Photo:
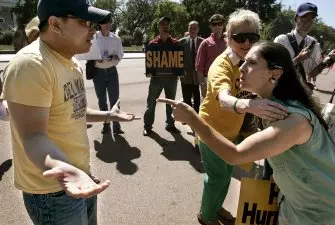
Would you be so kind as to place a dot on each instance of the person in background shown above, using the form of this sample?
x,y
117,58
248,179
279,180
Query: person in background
x,y
304,49
106,79
190,82
157,84
298,146
209,49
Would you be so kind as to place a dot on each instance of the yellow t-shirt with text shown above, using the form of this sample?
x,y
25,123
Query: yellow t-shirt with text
x,y
38,76
222,75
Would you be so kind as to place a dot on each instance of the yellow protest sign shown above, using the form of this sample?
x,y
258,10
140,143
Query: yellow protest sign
x,y
257,203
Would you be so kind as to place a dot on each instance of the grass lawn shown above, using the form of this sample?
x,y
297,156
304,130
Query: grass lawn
x,y
6,47
133,48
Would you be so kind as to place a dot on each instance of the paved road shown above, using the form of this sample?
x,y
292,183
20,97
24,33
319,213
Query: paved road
x,y
155,181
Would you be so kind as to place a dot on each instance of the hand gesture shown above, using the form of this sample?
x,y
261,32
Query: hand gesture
x,y
120,116
181,111
267,109
304,54
76,183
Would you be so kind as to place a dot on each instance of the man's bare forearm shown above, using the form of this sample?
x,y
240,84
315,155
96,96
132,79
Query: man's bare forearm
x,y
43,152
93,115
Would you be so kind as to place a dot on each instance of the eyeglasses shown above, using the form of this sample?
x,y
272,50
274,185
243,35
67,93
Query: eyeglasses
x,y
242,37
89,24
216,24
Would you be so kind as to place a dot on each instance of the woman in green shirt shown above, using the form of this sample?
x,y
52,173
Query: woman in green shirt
x,y
298,148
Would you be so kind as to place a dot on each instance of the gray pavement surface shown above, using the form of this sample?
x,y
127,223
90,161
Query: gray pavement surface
x,y
155,180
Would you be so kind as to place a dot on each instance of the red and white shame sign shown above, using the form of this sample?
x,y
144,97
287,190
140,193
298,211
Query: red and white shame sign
x,y
257,203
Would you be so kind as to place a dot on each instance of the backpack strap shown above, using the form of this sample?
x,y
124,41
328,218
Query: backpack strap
x,y
296,49
294,43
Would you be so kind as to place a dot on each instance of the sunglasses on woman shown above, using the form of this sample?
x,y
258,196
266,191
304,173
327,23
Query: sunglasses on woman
x,y
243,37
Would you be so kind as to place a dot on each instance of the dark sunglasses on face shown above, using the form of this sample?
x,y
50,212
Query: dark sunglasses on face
x,y
243,37
89,24
216,24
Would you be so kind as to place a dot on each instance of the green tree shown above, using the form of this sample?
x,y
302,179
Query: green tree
x,y
137,13
178,15
138,36
202,10
25,11
110,5
283,23
325,35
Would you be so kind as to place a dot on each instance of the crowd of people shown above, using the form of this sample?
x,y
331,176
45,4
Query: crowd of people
x,y
44,88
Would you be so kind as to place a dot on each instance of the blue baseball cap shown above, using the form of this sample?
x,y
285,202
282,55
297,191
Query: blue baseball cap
x,y
82,9
305,8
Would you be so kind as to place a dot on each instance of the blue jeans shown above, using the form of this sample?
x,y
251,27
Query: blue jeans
x,y
155,89
60,209
107,81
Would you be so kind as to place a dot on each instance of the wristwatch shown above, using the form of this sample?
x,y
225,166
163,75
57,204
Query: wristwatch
x,y
108,117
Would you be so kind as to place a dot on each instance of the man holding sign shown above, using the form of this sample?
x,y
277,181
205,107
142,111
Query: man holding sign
x,y
161,60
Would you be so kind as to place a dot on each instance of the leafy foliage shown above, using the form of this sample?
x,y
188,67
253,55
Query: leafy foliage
x,y
25,11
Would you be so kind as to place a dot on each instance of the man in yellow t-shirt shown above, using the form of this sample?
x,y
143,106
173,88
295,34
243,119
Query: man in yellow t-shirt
x,y
224,111
44,88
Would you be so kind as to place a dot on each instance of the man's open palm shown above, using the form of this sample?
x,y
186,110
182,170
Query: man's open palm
x,y
76,183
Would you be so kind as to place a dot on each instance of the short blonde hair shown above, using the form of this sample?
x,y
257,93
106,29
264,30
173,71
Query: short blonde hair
x,y
241,16
32,26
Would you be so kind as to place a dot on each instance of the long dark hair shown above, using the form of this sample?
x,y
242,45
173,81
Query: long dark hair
x,y
289,86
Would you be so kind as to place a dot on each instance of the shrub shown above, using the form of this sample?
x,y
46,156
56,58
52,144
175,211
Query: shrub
x,y
6,37
138,36
127,40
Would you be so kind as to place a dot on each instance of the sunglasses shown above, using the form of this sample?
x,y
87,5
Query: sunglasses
x,y
243,37
89,24
216,24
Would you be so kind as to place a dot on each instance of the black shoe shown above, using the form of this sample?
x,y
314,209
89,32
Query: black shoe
x,y
147,132
106,129
118,131
173,130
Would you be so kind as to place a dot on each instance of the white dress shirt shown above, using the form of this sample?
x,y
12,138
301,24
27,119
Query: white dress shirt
x,y
110,45
315,57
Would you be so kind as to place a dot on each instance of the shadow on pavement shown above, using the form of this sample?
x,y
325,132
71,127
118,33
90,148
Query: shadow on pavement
x,y
179,150
4,167
118,151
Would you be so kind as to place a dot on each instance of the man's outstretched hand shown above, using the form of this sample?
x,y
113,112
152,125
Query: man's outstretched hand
x,y
76,183
120,116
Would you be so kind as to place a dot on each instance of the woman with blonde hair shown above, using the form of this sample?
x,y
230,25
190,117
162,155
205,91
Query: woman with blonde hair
x,y
217,110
